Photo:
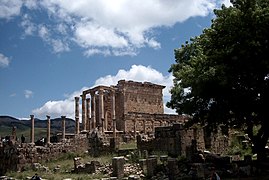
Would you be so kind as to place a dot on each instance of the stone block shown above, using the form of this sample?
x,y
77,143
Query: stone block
x,y
118,167
151,165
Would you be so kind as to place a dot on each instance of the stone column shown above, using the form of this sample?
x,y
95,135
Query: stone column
x,y
93,117
114,129
101,107
77,114
63,127
84,125
118,167
32,129
48,129
88,113
113,104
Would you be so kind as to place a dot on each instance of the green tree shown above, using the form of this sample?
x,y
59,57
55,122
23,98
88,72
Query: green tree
x,y
222,76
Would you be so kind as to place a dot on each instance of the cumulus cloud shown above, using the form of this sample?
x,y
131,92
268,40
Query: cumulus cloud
x,y
135,73
28,94
10,8
4,61
104,27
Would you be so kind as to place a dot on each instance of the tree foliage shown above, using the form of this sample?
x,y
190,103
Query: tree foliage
x,y
222,76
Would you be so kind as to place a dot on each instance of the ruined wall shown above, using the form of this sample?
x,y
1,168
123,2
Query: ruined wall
x,y
150,121
177,140
15,156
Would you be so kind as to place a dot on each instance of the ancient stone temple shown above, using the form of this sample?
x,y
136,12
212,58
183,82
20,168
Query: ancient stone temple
x,y
128,106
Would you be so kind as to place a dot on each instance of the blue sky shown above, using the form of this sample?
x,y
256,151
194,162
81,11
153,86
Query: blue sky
x,y
50,50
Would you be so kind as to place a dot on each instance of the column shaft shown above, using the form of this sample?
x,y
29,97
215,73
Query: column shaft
x,y
32,129
114,129
101,107
48,129
93,117
77,114
63,127
88,114
84,125
113,105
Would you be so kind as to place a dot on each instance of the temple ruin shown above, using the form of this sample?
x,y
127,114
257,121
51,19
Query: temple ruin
x,y
129,106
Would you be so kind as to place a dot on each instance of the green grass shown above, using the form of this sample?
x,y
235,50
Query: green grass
x,y
66,163
39,133
130,145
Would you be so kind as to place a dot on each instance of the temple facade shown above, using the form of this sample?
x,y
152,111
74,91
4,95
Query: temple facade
x,y
128,106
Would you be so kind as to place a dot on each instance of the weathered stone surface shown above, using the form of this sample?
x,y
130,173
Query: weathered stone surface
x,y
118,167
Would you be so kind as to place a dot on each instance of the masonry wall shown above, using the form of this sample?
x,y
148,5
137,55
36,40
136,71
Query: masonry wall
x,y
15,156
177,140
141,97
150,120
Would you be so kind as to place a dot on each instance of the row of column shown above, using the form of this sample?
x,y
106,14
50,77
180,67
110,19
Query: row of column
x,y
32,134
89,111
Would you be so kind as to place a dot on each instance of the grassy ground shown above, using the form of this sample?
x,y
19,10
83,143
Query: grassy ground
x,y
66,164
39,132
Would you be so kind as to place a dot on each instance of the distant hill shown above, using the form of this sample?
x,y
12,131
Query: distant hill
x,y
24,126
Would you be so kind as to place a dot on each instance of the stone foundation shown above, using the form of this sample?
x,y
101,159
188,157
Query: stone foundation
x,y
15,156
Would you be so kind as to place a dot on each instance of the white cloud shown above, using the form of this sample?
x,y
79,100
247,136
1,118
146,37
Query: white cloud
x,y
10,8
104,27
135,73
4,61
28,26
56,109
28,94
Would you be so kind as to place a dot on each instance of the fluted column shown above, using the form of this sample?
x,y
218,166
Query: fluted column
x,y
77,114
84,123
113,114
63,127
32,129
93,106
88,114
48,129
101,107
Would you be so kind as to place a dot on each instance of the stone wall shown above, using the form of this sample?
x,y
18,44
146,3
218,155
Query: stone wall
x,y
178,141
141,97
15,156
137,121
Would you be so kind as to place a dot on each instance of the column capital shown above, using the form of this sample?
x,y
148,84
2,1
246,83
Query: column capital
x,y
32,116
101,91
63,117
77,98
48,117
83,96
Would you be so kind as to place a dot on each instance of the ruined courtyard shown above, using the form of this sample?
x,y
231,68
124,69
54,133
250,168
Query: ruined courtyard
x,y
128,112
